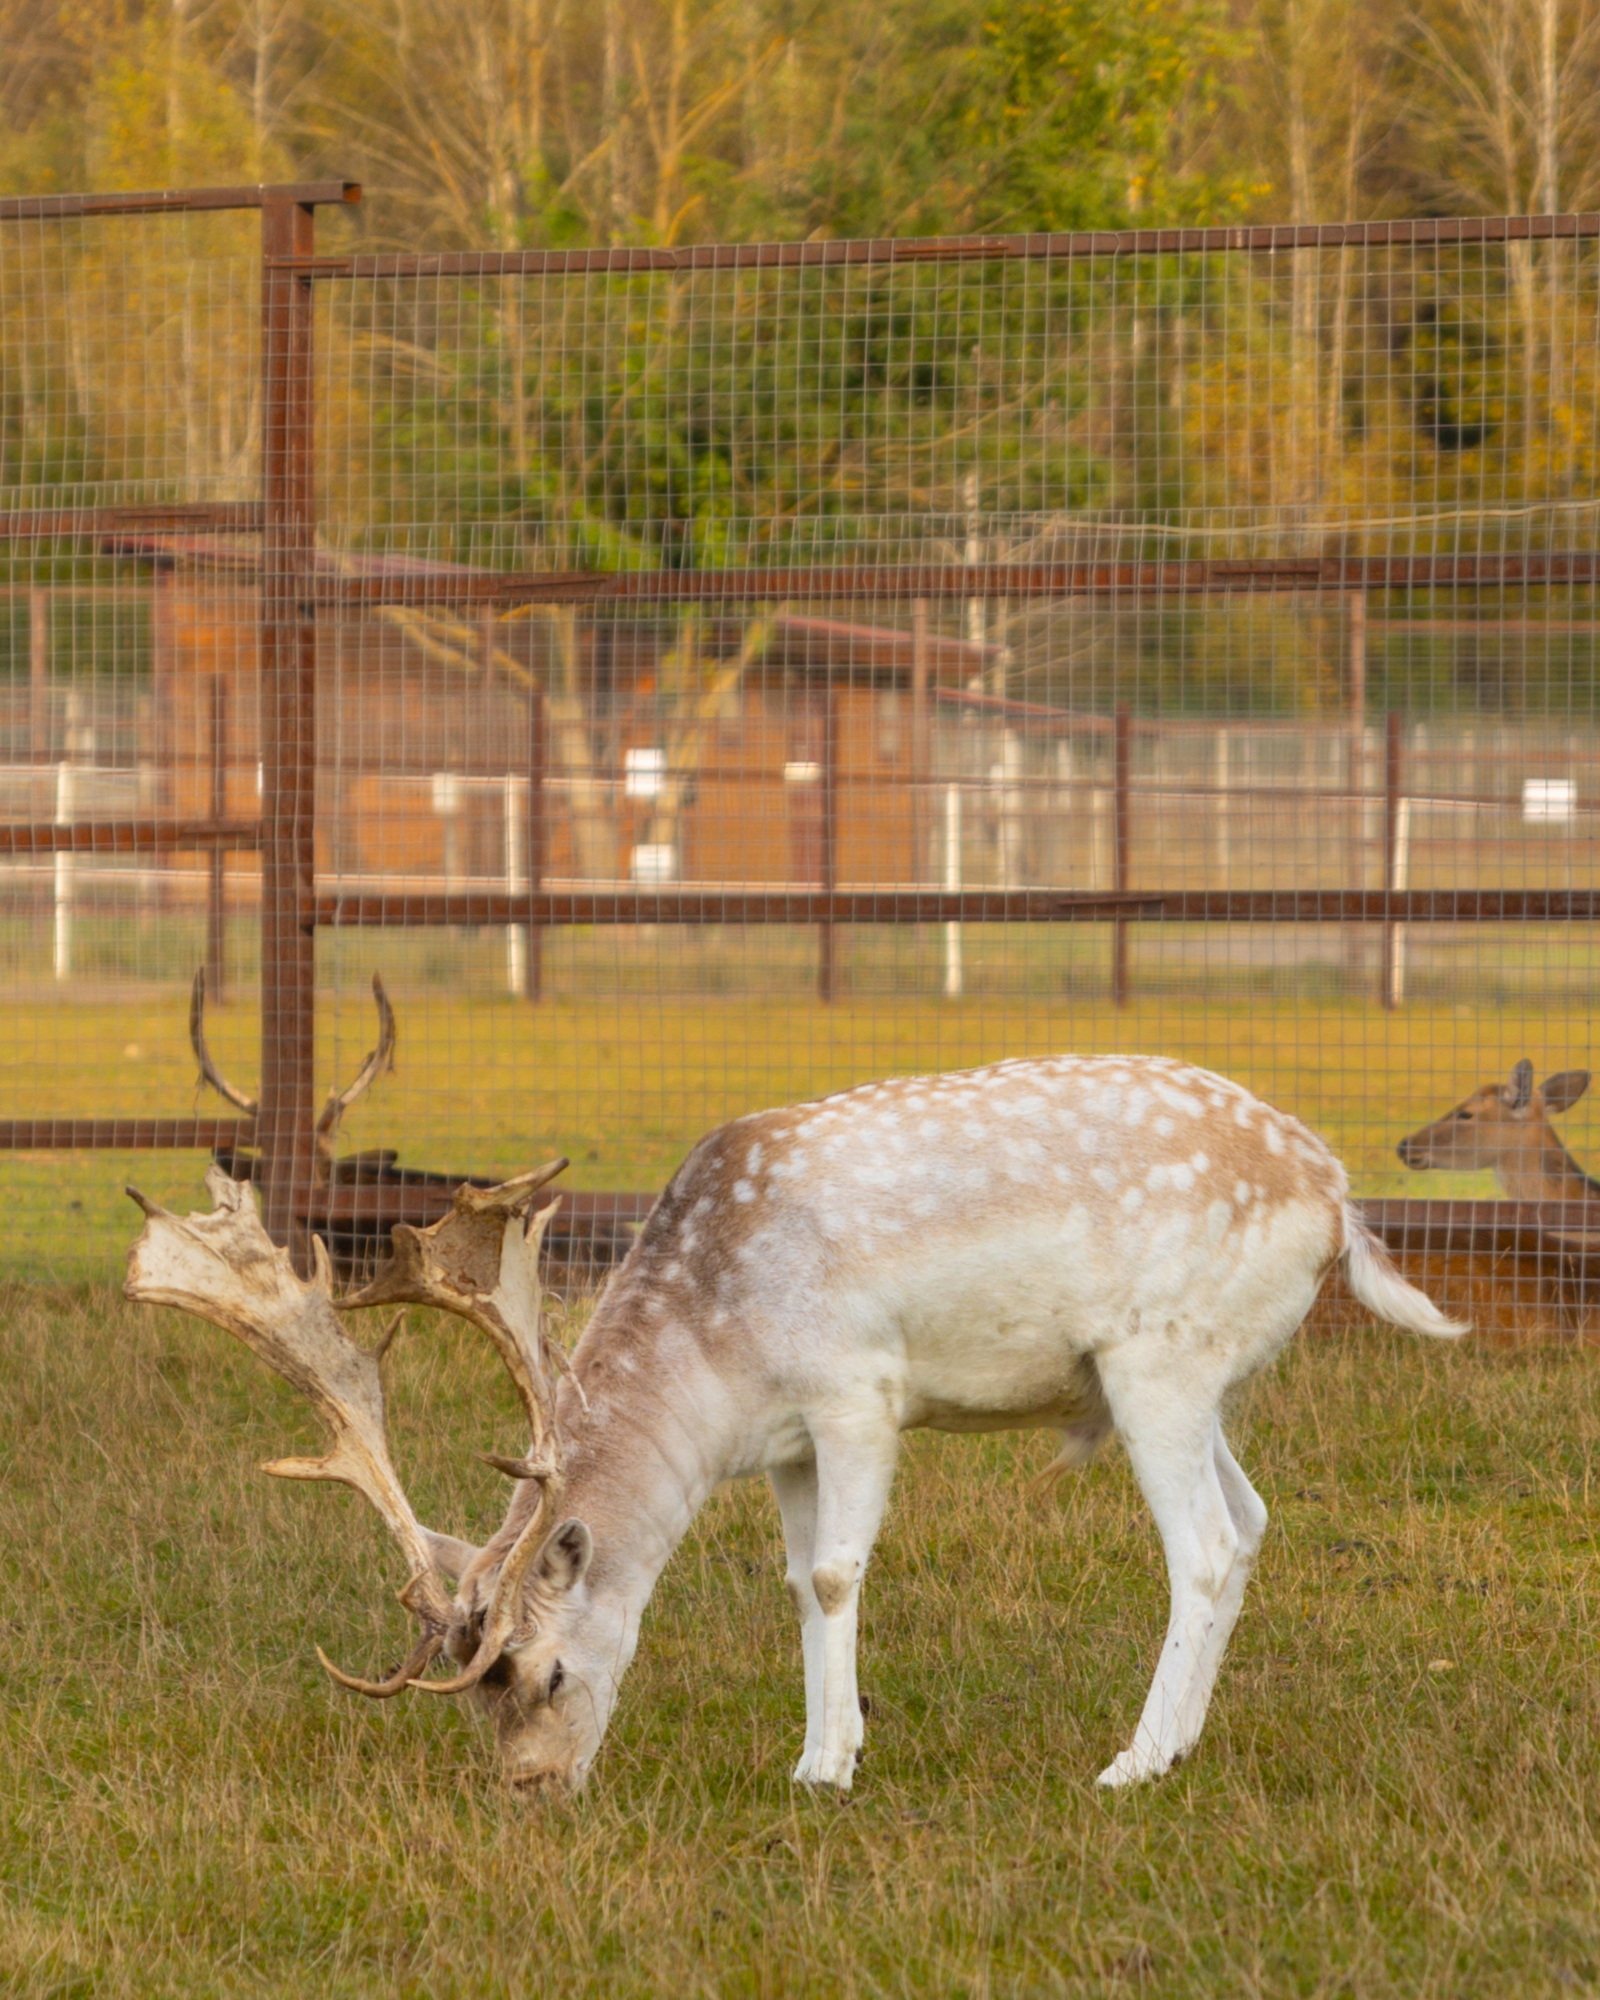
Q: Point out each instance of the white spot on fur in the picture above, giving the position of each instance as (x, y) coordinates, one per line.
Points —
(1199, 1162)
(743, 1191)
(1132, 1198)
(1157, 1178)
(1183, 1177)
(754, 1159)
(1274, 1136)
(1105, 1178)
(1165, 1127)
(1241, 1193)
(1218, 1216)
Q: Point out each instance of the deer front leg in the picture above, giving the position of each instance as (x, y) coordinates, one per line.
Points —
(795, 1489)
(854, 1467)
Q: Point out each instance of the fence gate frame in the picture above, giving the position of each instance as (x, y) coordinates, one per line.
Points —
(294, 592)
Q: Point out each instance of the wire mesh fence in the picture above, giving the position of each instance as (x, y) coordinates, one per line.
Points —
(696, 680)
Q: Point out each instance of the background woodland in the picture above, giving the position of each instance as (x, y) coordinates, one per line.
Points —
(534, 122)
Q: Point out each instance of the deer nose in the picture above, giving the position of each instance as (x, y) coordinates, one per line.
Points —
(532, 1782)
(1404, 1150)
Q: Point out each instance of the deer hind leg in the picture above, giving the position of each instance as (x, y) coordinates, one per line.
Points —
(1173, 1444)
(795, 1489)
(854, 1467)
(1248, 1512)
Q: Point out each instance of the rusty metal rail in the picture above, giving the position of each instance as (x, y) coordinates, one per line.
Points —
(132, 836)
(48, 1135)
(746, 903)
(899, 582)
(237, 517)
(1439, 232)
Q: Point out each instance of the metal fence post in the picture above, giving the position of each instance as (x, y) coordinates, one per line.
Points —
(1389, 975)
(1121, 838)
(216, 860)
(1356, 770)
(285, 1124)
(39, 675)
(538, 758)
(827, 965)
(920, 739)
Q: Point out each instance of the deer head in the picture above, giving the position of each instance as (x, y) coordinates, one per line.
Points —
(379, 1061)
(479, 1261)
(1506, 1126)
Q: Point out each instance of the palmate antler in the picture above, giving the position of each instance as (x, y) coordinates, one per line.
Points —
(480, 1261)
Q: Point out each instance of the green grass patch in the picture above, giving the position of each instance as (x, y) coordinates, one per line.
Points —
(625, 1083)
(1395, 1794)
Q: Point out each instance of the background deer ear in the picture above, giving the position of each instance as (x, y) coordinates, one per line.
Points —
(1562, 1091)
(1516, 1093)
(565, 1556)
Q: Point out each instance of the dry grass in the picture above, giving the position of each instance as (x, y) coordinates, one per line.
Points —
(1395, 1796)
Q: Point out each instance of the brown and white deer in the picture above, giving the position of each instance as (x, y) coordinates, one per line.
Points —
(1507, 1126)
(1084, 1244)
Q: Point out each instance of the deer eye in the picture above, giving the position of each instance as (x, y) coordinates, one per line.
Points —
(558, 1674)
(1464, 1117)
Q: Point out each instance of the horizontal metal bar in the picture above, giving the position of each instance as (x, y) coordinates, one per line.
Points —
(701, 904)
(45, 1135)
(1446, 1227)
(373, 1205)
(888, 581)
(134, 836)
(692, 905)
(1440, 232)
(599, 1227)
(175, 201)
(219, 517)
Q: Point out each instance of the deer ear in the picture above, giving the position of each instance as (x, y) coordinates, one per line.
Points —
(1561, 1092)
(565, 1556)
(1516, 1093)
(453, 1557)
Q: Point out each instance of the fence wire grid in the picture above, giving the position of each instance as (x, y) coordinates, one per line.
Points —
(699, 680)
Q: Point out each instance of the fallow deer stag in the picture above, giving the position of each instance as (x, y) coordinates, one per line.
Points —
(1082, 1244)
(1507, 1126)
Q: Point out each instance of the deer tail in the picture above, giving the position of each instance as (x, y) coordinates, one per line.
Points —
(1370, 1273)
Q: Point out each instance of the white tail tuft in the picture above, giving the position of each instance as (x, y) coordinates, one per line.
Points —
(1379, 1286)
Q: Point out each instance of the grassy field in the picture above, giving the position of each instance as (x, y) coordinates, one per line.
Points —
(1396, 1793)
(624, 1084)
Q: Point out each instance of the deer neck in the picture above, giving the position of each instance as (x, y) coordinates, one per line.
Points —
(643, 1448)
(1543, 1170)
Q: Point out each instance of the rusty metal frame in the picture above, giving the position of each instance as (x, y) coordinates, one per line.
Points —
(178, 201)
(751, 903)
(897, 582)
(1437, 232)
(218, 517)
(293, 593)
